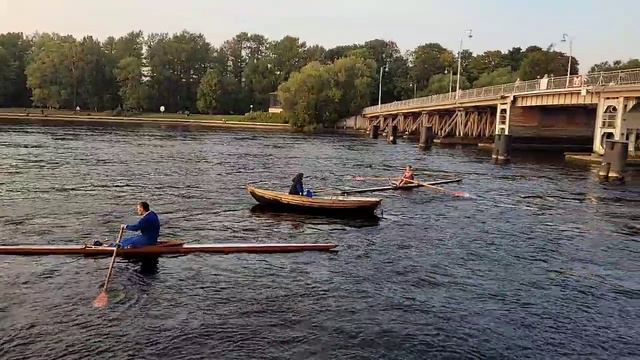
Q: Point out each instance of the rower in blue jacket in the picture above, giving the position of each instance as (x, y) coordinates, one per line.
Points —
(148, 225)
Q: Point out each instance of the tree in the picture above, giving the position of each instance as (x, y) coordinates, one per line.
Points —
(132, 89)
(319, 95)
(176, 65)
(616, 65)
(439, 84)
(208, 96)
(288, 55)
(233, 50)
(314, 53)
(308, 97)
(6, 76)
(130, 45)
(16, 49)
(97, 80)
(428, 60)
(513, 58)
(49, 72)
(500, 76)
(260, 80)
(337, 52)
(352, 84)
(540, 63)
(486, 63)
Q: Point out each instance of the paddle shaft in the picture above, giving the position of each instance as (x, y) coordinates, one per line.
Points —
(430, 186)
(385, 188)
(113, 259)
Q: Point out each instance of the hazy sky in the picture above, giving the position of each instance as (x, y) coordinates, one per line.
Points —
(603, 30)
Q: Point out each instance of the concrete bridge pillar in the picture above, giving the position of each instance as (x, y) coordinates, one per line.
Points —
(426, 137)
(614, 160)
(374, 131)
(502, 141)
(392, 134)
(502, 118)
(610, 124)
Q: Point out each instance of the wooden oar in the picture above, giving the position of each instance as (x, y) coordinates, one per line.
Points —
(438, 188)
(363, 178)
(103, 298)
(385, 188)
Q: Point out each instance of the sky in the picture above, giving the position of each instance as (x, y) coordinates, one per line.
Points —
(601, 30)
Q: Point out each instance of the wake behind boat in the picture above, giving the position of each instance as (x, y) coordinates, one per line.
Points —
(162, 248)
(325, 205)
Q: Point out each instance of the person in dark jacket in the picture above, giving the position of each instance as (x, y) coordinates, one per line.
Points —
(148, 225)
(297, 188)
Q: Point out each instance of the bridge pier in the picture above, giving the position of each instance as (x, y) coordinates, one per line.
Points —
(426, 137)
(501, 149)
(612, 124)
(614, 160)
(374, 131)
(392, 134)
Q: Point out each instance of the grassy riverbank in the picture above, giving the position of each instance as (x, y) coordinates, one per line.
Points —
(256, 117)
(261, 121)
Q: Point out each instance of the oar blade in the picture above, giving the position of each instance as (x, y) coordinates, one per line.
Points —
(461, 194)
(101, 300)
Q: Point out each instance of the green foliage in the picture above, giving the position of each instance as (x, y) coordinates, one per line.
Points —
(428, 60)
(176, 65)
(309, 98)
(208, 93)
(439, 84)
(500, 76)
(538, 63)
(6, 75)
(13, 80)
(319, 95)
(183, 71)
(616, 65)
(265, 117)
(486, 63)
(51, 74)
(132, 89)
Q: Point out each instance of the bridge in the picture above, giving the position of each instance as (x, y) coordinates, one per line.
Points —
(578, 109)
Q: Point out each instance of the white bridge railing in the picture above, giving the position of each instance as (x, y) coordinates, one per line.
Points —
(611, 78)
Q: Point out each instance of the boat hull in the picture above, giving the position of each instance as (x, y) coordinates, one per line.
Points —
(87, 250)
(332, 206)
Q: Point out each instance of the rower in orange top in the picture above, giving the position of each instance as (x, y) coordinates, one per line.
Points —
(407, 175)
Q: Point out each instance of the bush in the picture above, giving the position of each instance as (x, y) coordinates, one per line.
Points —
(265, 117)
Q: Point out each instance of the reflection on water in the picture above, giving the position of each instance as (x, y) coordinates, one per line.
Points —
(540, 262)
(354, 221)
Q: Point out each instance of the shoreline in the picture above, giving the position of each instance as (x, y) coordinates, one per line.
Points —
(23, 117)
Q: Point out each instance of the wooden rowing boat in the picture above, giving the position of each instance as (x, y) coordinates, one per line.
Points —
(163, 248)
(325, 205)
(403, 187)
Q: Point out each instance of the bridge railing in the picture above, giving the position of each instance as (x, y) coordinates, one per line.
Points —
(611, 78)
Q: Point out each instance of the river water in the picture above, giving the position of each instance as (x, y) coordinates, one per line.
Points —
(541, 262)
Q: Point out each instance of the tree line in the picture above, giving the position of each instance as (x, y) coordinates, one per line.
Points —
(184, 72)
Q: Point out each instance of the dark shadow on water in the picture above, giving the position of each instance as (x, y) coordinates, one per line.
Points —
(310, 219)
(148, 264)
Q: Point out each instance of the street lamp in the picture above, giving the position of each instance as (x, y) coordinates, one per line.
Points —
(468, 32)
(450, 72)
(415, 92)
(564, 39)
(385, 67)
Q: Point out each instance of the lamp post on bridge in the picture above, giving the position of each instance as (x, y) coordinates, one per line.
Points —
(450, 72)
(415, 92)
(385, 67)
(468, 32)
(564, 39)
